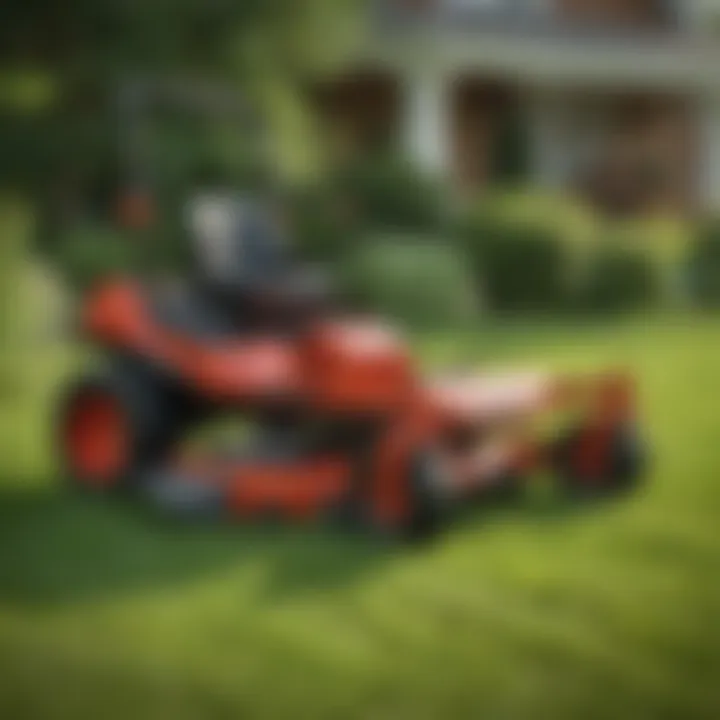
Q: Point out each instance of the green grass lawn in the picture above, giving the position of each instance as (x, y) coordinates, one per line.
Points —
(538, 612)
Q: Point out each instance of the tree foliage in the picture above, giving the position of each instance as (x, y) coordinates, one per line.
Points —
(62, 66)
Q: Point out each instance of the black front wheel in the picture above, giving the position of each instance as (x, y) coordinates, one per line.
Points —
(589, 461)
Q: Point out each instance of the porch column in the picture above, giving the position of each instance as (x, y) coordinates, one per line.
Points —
(697, 15)
(427, 127)
(709, 153)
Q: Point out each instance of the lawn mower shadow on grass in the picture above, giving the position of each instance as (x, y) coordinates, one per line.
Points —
(346, 426)
(63, 548)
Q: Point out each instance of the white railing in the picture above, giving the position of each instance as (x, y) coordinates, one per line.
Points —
(525, 46)
(519, 16)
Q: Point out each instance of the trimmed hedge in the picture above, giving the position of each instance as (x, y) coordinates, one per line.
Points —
(90, 253)
(378, 193)
(618, 281)
(533, 254)
(388, 192)
(420, 282)
(323, 227)
(519, 268)
(703, 268)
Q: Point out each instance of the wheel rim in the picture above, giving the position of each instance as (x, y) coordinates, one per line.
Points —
(97, 439)
(593, 456)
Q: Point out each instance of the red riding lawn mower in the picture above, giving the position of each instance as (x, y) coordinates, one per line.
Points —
(344, 424)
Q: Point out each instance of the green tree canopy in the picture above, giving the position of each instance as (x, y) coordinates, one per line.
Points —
(62, 66)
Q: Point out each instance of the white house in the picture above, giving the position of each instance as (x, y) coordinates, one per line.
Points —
(619, 98)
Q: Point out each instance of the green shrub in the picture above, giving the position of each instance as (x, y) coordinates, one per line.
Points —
(519, 267)
(321, 225)
(375, 193)
(575, 223)
(618, 280)
(417, 281)
(15, 227)
(664, 242)
(534, 252)
(704, 268)
(388, 192)
(89, 253)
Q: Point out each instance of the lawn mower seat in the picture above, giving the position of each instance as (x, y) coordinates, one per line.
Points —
(201, 311)
(246, 279)
(189, 310)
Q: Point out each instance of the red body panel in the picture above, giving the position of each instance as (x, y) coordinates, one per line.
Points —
(299, 490)
(343, 368)
(359, 367)
(240, 370)
(296, 490)
(475, 400)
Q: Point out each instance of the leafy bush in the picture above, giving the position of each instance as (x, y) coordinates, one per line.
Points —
(704, 268)
(390, 193)
(90, 253)
(375, 193)
(15, 227)
(575, 223)
(534, 251)
(417, 281)
(519, 267)
(322, 228)
(619, 280)
(664, 242)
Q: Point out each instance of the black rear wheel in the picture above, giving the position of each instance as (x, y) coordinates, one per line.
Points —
(116, 425)
(430, 501)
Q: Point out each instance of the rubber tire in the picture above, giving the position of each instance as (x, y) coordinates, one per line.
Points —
(155, 418)
(626, 463)
(430, 504)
